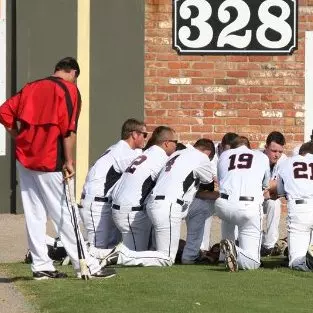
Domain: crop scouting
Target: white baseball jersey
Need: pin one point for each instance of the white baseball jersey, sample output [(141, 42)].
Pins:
[(109, 168), (296, 177), (243, 172), (138, 179), (182, 172)]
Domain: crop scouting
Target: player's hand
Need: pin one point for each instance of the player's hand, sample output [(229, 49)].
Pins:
[(266, 194), (68, 169)]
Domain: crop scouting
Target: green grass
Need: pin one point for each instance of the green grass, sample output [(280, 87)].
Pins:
[(177, 289)]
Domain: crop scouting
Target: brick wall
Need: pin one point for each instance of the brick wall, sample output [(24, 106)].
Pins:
[(206, 96)]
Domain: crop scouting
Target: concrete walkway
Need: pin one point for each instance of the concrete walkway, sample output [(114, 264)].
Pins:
[(13, 245)]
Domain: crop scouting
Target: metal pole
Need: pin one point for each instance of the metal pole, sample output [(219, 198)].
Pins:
[(13, 182)]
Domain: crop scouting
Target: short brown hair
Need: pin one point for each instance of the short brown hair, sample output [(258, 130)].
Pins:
[(240, 141), (206, 144), (129, 126)]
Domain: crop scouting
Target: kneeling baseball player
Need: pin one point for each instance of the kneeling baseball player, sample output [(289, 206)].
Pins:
[(242, 173)]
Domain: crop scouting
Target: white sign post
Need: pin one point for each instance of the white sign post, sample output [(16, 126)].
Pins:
[(2, 68)]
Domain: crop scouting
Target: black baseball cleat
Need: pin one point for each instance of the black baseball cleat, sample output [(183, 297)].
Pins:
[(104, 273), (112, 257), (41, 275), (266, 251)]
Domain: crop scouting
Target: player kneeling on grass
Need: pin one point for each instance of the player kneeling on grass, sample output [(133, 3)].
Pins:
[(295, 179), (178, 181), (241, 173)]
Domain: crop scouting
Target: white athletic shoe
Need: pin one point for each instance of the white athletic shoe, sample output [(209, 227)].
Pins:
[(228, 248), (112, 257)]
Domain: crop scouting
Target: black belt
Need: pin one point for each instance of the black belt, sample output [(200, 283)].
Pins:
[(134, 208), (301, 201), (178, 201), (241, 198), (97, 199)]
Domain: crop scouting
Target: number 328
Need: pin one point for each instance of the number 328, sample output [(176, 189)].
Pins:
[(226, 36)]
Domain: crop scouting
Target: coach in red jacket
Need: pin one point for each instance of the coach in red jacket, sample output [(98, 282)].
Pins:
[(43, 118)]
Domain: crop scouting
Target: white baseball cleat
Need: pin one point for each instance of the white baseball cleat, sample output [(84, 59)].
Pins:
[(228, 248), (112, 257)]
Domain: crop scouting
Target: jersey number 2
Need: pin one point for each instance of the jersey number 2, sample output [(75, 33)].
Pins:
[(132, 168), (240, 161)]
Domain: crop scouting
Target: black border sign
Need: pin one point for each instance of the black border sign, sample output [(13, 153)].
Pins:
[(235, 26)]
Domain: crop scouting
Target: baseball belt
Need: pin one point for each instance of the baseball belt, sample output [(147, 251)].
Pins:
[(178, 201), (241, 198), (97, 199), (134, 208)]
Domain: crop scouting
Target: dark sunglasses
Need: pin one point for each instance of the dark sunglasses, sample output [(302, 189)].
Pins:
[(145, 134)]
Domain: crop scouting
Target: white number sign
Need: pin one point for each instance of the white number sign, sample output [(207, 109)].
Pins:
[(234, 26)]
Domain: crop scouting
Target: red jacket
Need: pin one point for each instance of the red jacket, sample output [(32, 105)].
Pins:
[(47, 110)]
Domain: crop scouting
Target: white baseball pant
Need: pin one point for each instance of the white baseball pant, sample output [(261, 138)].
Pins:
[(247, 215), (134, 226), (299, 227), (199, 214), (97, 217), (272, 208), (166, 217), (43, 196)]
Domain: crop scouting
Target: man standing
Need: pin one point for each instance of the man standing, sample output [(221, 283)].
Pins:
[(135, 185), (272, 206), (241, 173), (295, 179), (107, 170), (42, 118), (178, 180)]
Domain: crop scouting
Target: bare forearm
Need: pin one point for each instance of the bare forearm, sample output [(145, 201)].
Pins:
[(69, 145)]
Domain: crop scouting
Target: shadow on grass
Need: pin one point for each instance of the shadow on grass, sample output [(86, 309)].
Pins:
[(5, 280), (274, 262)]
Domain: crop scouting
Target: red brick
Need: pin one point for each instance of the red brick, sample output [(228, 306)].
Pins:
[(237, 73), (259, 121), (169, 105), (190, 89), (214, 121), (249, 98), (202, 81), (169, 89), (225, 81), (178, 65), (250, 113), (180, 97), (204, 97), (198, 65), (156, 112), (225, 97), (178, 113), (156, 96), (237, 121), (202, 128), (191, 105), (223, 129), (238, 90)]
